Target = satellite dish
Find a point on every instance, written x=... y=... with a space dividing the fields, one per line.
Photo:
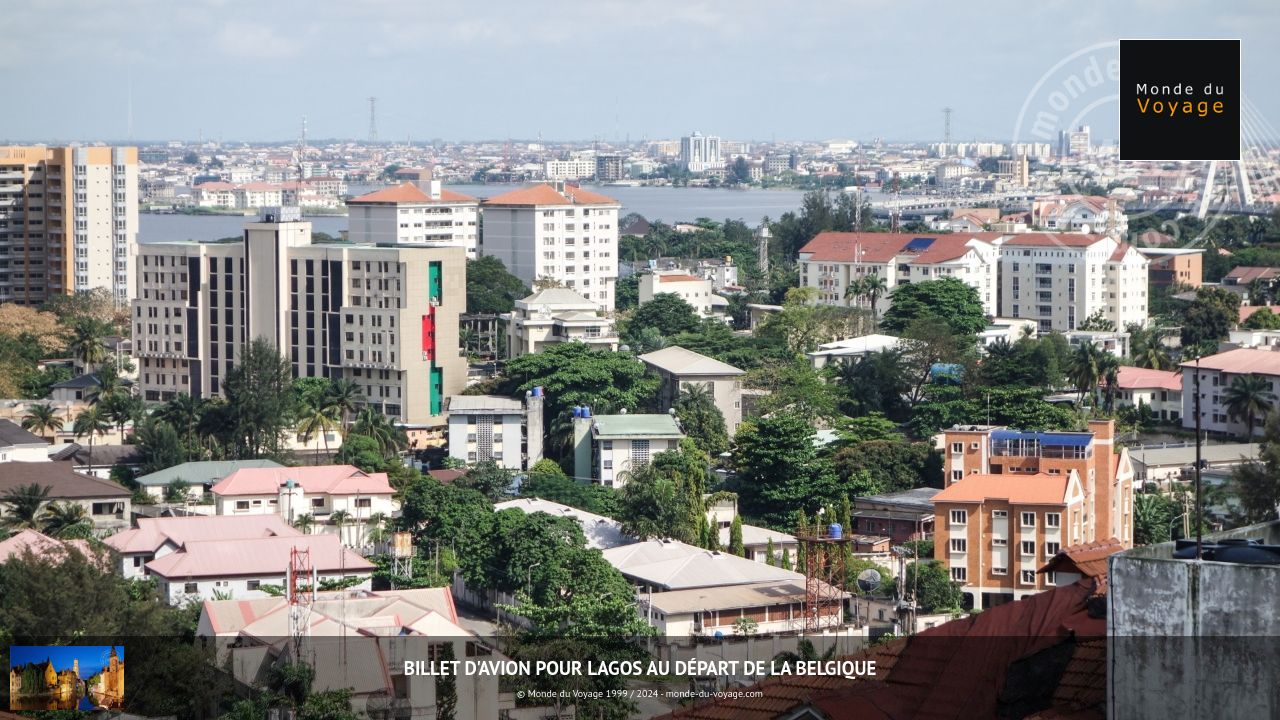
x=869 y=579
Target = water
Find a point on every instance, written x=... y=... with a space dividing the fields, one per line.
x=668 y=204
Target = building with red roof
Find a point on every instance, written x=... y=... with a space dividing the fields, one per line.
x=408 y=214
x=832 y=262
x=1159 y=391
x=319 y=491
x=556 y=231
x=1217 y=373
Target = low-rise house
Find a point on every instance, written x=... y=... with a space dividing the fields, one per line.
x=365 y=636
x=556 y=315
x=602 y=532
x=488 y=427
x=1113 y=342
x=606 y=447
x=679 y=369
x=1216 y=373
x=40 y=545
x=102 y=460
x=695 y=290
x=901 y=516
x=19 y=445
x=852 y=349
x=1160 y=391
x=199 y=475
x=1163 y=465
x=157 y=537
x=318 y=491
x=237 y=569
x=106 y=502
x=81 y=387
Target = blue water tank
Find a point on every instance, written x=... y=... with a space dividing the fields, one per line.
x=577 y=411
x=537 y=391
x=835 y=531
x=586 y=411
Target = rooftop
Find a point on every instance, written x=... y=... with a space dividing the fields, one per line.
x=1053 y=240
x=1240 y=361
x=1136 y=378
x=103 y=455
x=408 y=193
x=916 y=498
x=680 y=361
x=39 y=544
x=64 y=483
x=601 y=532
x=675 y=566
x=483 y=403
x=563 y=298
x=1212 y=454
x=660 y=425
x=263 y=556
x=203 y=472
x=545 y=194
x=152 y=533
x=1020 y=489
x=730 y=597
x=316 y=479
x=12 y=435
x=880 y=248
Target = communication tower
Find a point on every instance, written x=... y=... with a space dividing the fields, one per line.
x=301 y=590
x=823 y=549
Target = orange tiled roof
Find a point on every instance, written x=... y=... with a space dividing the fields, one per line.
x=678 y=278
x=833 y=246
x=409 y=193
x=544 y=194
x=1037 y=489
x=1088 y=559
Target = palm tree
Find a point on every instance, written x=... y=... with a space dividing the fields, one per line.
x=317 y=420
x=873 y=286
x=66 y=520
x=1248 y=396
x=376 y=528
x=108 y=383
x=121 y=408
x=87 y=346
x=1087 y=368
x=1111 y=376
x=91 y=421
x=340 y=518
x=855 y=289
x=370 y=421
x=182 y=411
x=24 y=504
x=42 y=419
x=1148 y=348
x=304 y=523
x=345 y=397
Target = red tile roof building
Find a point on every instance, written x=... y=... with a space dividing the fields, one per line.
x=408 y=215
x=1217 y=372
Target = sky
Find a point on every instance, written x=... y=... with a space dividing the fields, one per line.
x=92 y=657
x=230 y=70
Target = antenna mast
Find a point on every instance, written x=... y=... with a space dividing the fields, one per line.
x=301 y=597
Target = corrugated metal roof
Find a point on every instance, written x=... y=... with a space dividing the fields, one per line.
x=639 y=425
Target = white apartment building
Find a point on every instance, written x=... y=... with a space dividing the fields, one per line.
x=833 y=261
x=578 y=168
x=607 y=447
x=556 y=232
x=699 y=153
x=1061 y=279
x=407 y=215
x=556 y=315
x=383 y=317
x=694 y=290
x=1216 y=373
x=1079 y=214
x=68 y=221
x=501 y=429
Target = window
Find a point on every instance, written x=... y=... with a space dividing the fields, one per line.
x=1029 y=547
x=959 y=574
x=137 y=561
x=1028 y=519
x=959 y=517
x=606 y=444
x=999 y=514
x=1053 y=520
x=959 y=545
x=1051 y=549
x=364 y=502
x=608 y=464
x=999 y=571
x=999 y=542
x=253 y=584
x=1028 y=577
x=242 y=505
x=191 y=588
x=957 y=475
x=957 y=447
x=317 y=502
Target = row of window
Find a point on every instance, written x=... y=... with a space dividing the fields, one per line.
x=1051 y=520
x=1028 y=547
x=1026 y=577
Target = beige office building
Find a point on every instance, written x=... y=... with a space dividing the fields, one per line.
x=68 y=221
x=383 y=317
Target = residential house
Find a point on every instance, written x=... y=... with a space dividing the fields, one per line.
x=1078 y=214
x=80 y=388
x=106 y=502
x=607 y=447
x=157 y=537
x=200 y=475
x=104 y=459
x=1159 y=391
x=1163 y=465
x=679 y=369
x=19 y=445
x=488 y=427
x=695 y=290
x=556 y=315
x=902 y=516
x=852 y=349
x=602 y=532
x=1215 y=374
x=41 y=545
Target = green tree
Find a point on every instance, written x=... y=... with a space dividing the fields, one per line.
x=446 y=688
x=929 y=341
x=1209 y=319
x=177 y=490
x=889 y=465
x=1089 y=365
x=488 y=478
x=259 y=395
x=1148 y=346
x=22 y=507
x=183 y=413
x=700 y=419
x=44 y=420
x=1098 y=322
x=1153 y=517
x=362 y=451
x=795 y=386
x=1262 y=319
x=664 y=498
x=1248 y=397
x=547 y=481
x=91 y=422
x=318 y=417
x=344 y=397
x=328 y=705
x=779 y=470
x=1257 y=484
x=932 y=587
x=305 y=523
x=735 y=537
x=875 y=383
x=949 y=299
x=667 y=313
x=372 y=422
x=626 y=293
x=87 y=345
x=66 y=520
x=491 y=289
x=159 y=445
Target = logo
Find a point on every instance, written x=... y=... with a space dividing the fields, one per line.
x=1180 y=99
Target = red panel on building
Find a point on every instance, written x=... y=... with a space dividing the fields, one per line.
x=429 y=334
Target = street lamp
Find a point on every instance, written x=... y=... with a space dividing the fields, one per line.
x=528 y=578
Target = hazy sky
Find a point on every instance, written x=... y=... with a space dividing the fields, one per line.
x=741 y=69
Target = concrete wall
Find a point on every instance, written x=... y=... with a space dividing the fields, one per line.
x=1193 y=639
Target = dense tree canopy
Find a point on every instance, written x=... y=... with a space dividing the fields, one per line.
x=491 y=289
x=667 y=314
x=780 y=470
x=950 y=299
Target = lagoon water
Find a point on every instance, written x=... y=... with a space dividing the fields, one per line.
x=669 y=204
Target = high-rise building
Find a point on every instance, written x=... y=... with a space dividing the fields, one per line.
x=700 y=152
x=68 y=221
x=1075 y=143
x=413 y=215
x=608 y=168
x=385 y=318
x=556 y=232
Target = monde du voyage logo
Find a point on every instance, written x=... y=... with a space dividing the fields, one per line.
x=1180 y=99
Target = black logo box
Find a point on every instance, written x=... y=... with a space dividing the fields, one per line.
x=1187 y=69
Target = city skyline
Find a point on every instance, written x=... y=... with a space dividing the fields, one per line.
x=607 y=70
